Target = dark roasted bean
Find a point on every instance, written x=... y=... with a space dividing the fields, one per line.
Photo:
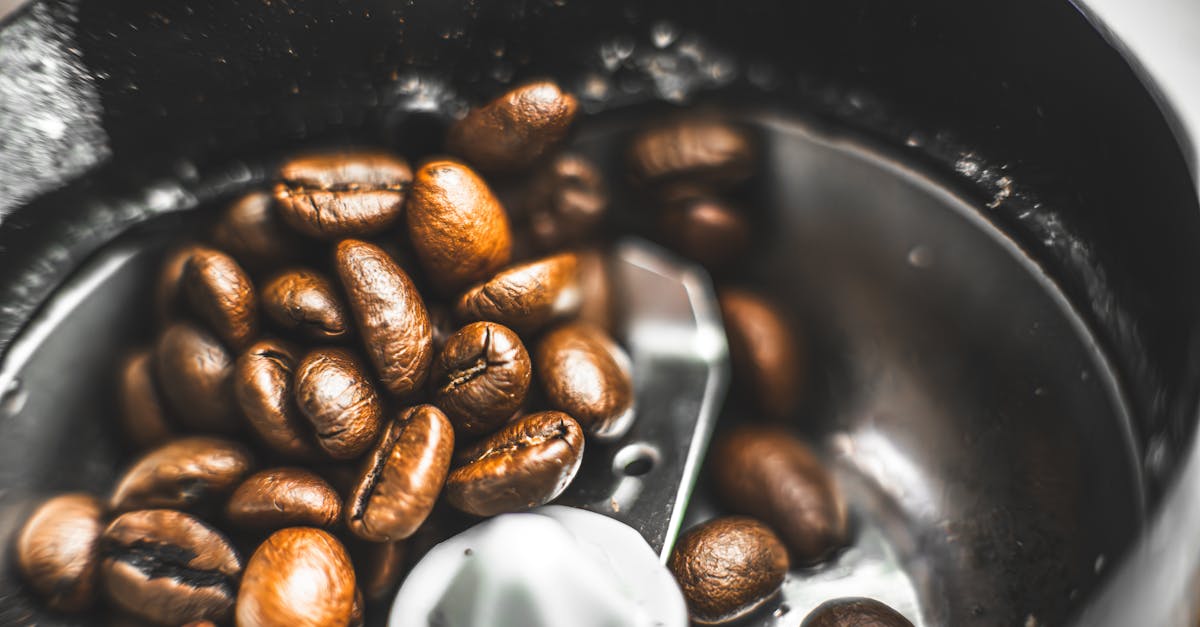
x=764 y=352
x=595 y=285
x=727 y=568
x=379 y=568
x=706 y=229
x=565 y=202
x=299 y=577
x=703 y=151
x=195 y=374
x=514 y=130
x=584 y=373
x=335 y=394
x=182 y=474
x=284 y=497
x=854 y=612
x=306 y=302
x=526 y=296
x=251 y=231
x=344 y=194
x=143 y=412
x=265 y=392
x=481 y=377
x=220 y=292
x=168 y=287
x=57 y=551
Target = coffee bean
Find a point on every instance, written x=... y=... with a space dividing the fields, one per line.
x=143 y=410
x=707 y=229
x=344 y=194
x=284 y=497
x=56 y=551
x=251 y=231
x=527 y=463
x=400 y=480
x=221 y=293
x=727 y=568
x=457 y=227
x=391 y=316
x=584 y=373
x=595 y=285
x=526 y=296
x=442 y=322
x=854 y=612
x=694 y=150
x=306 y=302
x=195 y=374
x=335 y=394
x=168 y=287
x=768 y=473
x=358 y=616
x=565 y=202
x=514 y=130
x=182 y=474
x=201 y=623
x=481 y=377
x=168 y=567
x=764 y=353
x=298 y=577
x=379 y=568
x=263 y=386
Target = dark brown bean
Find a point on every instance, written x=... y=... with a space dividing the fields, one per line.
x=693 y=150
x=344 y=194
x=442 y=322
x=565 y=202
x=379 y=568
x=220 y=292
x=595 y=285
x=358 y=615
x=168 y=288
x=195 y=374
x=182 y=474
x=526 y=296
x=335 y=394
x=251 y=231
x=727 y=568
x=457 y=227
x=527 y=463
x=391 y=316
x=707 y=229
x=854 y=612
x=57 y=551
x=299 y=577
x=764 y=352
x=284 y=497
x=169 y=568
x=584 y=373
x=400 y=480
x=264 y=389
x=143 y=410
x=768 y=473
x=481 y=377
x=514 y=130
x=306 y=302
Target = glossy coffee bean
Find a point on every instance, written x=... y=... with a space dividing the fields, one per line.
x=264 y=388
x=400 y=480
x=182 y=474
x=695 y=151
x=764 y=353
x=854 y=612
x=457 y=226
x=284 y=497
x=727 y=568
x=195 y=373
x=342 y=195
x=168 y=287
x=481 y=377
x=336 y=395
x=768 y=473
x=143 y=409
x=526 y=296
x=251 y=231
x=379 y=568
x=707 y=229
x=298 y=577
x=565 y=202
x=169 y=568
x=527 y=463
x=57 y=551
x=221 y=294
x=514 y=130
x=391 y=315
x=596 y=306
x=306 y=302
x=585 y=374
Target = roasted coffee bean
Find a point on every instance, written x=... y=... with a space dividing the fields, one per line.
x=768 y=473
x=526 y=296
x=514 y=130
x=264 y=389
x=358 y=615
x=481 y=377
x=182 y=474
x=284 y=497
x=379 y=568
x=391 y=316
x=565 y=202
x=584 y=373
x=168 y=288
x=707 y=229
x=400 y=480
x=457 y=227
x=298 y=577
x=527 y=463
x=195 y=374
x=854 y=612
x=251 y=231
x=306 y=302
x=442 y=322
x=342 y=195
x=57 y=551
x=595 y=285
x=764 y=353
x=201 y=623
x=695 y=150
x=727 y=568
x=143 y=412
x=220 y=292
x=335 y=394
x=168 y=567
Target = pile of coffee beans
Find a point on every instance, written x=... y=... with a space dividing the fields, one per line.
x=354 y=363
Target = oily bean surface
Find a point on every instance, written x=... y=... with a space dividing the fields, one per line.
x=298 y=577
x=854 y=612
x=251 y=231
x=481 y=377
x=306 y=302
x=379 y=567
x=284 y=497
x=696 y=151
x=336 y=395
x=514 y=130
x=344 y=194
x=764 y=352
x=57 y=551
x=185 y=473
x=565 y=202
x=168 y=286
x=528 y=462
x=706 y=229
x=526 y=296
x=265 y=392
x=221 y=294
x=143 y=409
x=585 y=374
x=727 y=568
x=195 y=374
